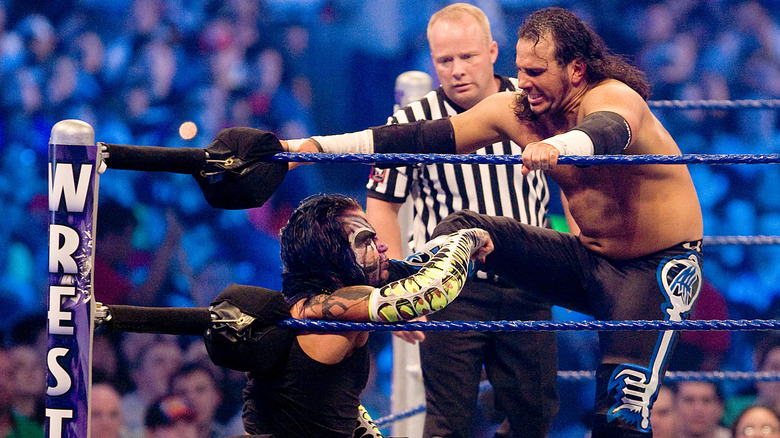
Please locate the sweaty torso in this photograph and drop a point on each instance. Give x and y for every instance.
(628, 211)
(623, 211)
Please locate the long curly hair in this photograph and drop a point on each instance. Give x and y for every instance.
(574, 39)
(315, 250)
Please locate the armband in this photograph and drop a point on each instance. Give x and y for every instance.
(420, 137)
(424, 136)
(608, 131)
(432, 287)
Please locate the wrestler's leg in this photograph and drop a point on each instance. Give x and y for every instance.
(452, 366)
(658, 287)
(521, 367)
(541, 261)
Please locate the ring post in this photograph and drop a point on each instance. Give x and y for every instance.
(408, 390)
(73, 185)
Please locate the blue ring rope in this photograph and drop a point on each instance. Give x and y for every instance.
(741, 240)
(686, 376)
(490, 326)
(398, 159)
(714, 104)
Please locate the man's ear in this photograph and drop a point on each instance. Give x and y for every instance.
(578, 71)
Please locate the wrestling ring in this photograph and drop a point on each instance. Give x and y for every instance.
(72, 313)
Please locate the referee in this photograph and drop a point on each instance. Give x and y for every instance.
(520, 366)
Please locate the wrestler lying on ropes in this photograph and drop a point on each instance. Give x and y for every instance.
(335, 269)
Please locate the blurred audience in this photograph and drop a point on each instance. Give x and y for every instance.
(13, 424)
(108, 366)
(199, 384)
(136, 69)
(699, 406)
(29, 382)
(118, 263)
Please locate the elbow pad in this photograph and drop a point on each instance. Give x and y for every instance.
(434, 286)
(608, 131)
(421, 137)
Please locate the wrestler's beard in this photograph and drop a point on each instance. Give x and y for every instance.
(523, 112)
(522, 109)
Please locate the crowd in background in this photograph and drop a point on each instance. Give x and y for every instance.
(137, 69)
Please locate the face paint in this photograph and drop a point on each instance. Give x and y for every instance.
(363, 242)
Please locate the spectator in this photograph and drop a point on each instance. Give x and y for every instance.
(171, 417)
(107, 363)
(116, 259)
(150, 370)
(756, 421)
(766, 358)
(699, 407)
(29, 382)
(12, 424)
(199, 386)
(27, 347)
(663, 418)
(106, 419)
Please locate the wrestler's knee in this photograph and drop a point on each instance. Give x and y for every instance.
(458, 221)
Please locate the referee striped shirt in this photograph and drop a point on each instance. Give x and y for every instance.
(443, 188)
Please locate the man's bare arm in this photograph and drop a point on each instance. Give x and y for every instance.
(489, 121)
(346, 304)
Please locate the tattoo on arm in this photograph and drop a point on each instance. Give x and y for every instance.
(347, 303)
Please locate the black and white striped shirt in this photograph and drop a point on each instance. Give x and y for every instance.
(442, 188)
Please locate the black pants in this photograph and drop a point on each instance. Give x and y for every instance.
(557, 267)
(520, 366)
